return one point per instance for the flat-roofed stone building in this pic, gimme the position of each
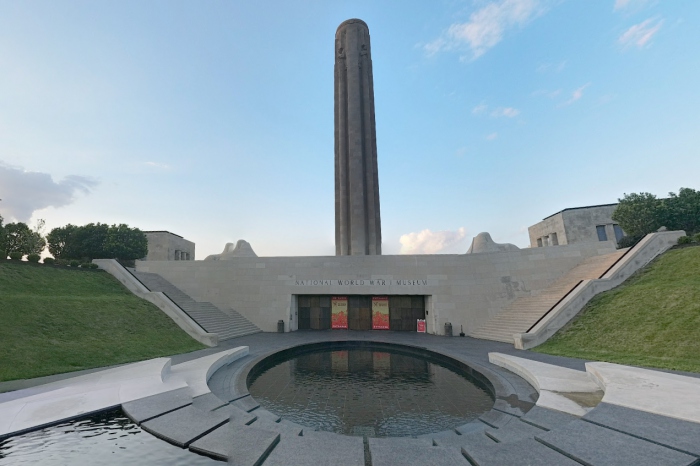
(576, 225)
(166, 246)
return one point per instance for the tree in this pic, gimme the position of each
(639, 214)
(61, 241)
(683, 211)
(2, 238)
(126, 243)
(20, 238)
(88, 242)
(97, 241)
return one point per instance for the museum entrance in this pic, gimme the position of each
(360, 312)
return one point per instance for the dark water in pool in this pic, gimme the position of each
(369, 392)
(103, 439)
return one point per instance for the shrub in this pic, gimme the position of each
(74, 263)
(696, 237)
(49, 261)
(92, 266)
(628, 241)
(685, 240)
(16, 256)
(34, 258)
(62, 262)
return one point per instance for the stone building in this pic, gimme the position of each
(576, 225)
(166, 246)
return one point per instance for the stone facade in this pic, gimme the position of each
(166, 246)
(358, 228)
(465, 290)
(576, 225)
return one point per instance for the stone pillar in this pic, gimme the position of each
(358, 228)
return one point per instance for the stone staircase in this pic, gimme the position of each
(229, 324)
(524, 312)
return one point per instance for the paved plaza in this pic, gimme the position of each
(547, 410)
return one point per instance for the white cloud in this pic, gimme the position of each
(640, 34)
(479, 109)
(621, 4)
(428, 242)
(577, 94)
(23, 192)
(508, 112)
(552, 67)
(487, 26)
(162, 166)
(491, 137)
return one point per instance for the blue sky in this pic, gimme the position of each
(214, 120)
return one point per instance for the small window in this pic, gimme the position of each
(555, 239)
(602, 235)
(619, 234)
(539, 242)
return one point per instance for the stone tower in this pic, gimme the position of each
(358, 229)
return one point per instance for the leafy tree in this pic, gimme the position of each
(97, 241)
(639, 213)
(2, 238)
(88, 242)
(20, 238)
(126, 243)
(61, 241)
(682, 211)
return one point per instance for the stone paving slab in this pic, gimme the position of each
(526, 452)
(496, 419)
(246, 403)
(506, 407)
(514, 431)
(266, 415)
(547, 419)
(241, 446)
(185, 425)
(441, 434)
(591, 444)
(673, 433)
(469, 427)
(471, 439)
(156, 405)
(237, 416)
(402, 452)
(285, 429)
(208, 402)
(308, 451)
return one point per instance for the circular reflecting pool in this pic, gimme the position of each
(376, 392)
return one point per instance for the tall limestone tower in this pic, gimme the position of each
(358, 229)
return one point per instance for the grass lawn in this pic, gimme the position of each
(651, 320)
(55, 320)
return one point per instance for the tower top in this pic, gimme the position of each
(349, 22)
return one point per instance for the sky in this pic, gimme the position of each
(214, 120)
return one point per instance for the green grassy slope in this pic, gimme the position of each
(55, 320)
(651, 320)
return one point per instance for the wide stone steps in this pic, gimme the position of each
(243, 433)
(524, 312)
(226, 324)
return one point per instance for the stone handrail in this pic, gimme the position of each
(641, 254)
(161, 300)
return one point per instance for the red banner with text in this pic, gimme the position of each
(380, 313)
(339, 312)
